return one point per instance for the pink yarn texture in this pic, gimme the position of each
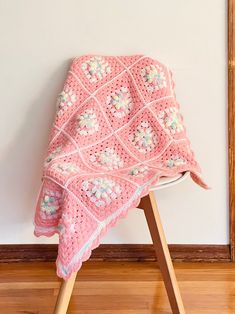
(117, 130)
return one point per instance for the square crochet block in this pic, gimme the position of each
(117, 130)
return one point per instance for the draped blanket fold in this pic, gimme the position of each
(117, 130)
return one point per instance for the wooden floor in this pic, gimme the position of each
(118, 288)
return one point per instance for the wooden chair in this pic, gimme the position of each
(149, 205)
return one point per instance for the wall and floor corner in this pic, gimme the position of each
(35, 55)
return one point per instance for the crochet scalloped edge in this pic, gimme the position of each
(75, 267)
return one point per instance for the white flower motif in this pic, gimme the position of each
(175, 161)
(101, 191)
(53, 154)
(96, 68)
(65, 100)
(108, 159)
(69, 222)
(144, 138)
(170, 119)
(154, 77)
(120, 102)
(50, 202)
(87, 122)
(61, 228)
(138, 171)
(66, 167)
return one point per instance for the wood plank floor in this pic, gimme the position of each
(118, 288)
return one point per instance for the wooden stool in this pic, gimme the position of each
(149, 205)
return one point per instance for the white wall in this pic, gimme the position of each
(38, 38)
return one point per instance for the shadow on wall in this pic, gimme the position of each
(21, 165)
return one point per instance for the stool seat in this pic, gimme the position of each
(168, 181)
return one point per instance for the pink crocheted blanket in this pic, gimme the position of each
(117, 130)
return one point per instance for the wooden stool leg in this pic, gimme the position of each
(149, 205)
(66, 290)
